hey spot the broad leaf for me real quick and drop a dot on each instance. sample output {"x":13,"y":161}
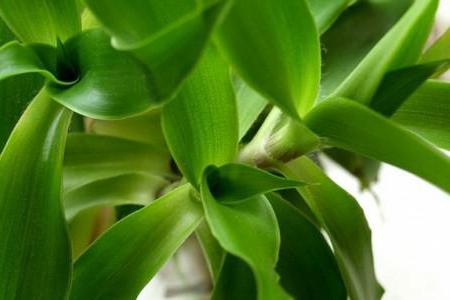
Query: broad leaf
{"x":351,"y":126}
{"x":248,"y":230}
{"x":35,"y":260}
{"x":41,"y":21}
{"x":325,"y":12}
{"x":94,"y":157}
{"x":307,"y":267}
{"x":201,"y":123}
{"x":283,"y":64}
{"x":147,"y":239}
{"x":167,"y":36}
{"x":132,"y":188}
{"x":427,"y":112}
{"x":400,"y":47}
{"x":344,"y":221}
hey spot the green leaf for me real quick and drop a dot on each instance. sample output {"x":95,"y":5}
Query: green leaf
{"x":112,"y":84}
{"x":398,"y":85}
{"x":234,"y":183}
{"x":400,"y":47}
{"x":35,"y":260}
{"x":283,"y":64}
{"x":123,"y":189}
{"x":305,"y":254}
{"x":248,"y":230}
{"x":344,"y":221}
{"x":351,"y":126}
{"x":168,"y":37}
{"x":427,"y":112}
{"x":41,"y":21}
{"x":94,"y":157}
{"x":235,"y":281}
{"x":250,"y":106}
{"x":147,"y":239}
{"x":439,"y":50}
{"x":325,"y":12}
{"x":348,"y":41}
{"x":213,"y":252}
{"x":201,"y":123}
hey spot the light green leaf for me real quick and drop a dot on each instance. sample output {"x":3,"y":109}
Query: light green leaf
{"x":427,"y":112}
{"x":400,"y":47}
{"x":94,"y":157}
{"x":307,"y":267}
{"x":344,"y":221}
{"x":234,"y":183}
{"x":41,"y":21}
{"x":283,"y":64}
{"x":112,"y":84}
{"x":135,"y":188}
{"x":35,"y":260}
{"x":213,"y":252}
{"x":201,"y":123}
{"x":248,"y":230}
{"x":351,"y":126}
{"x":147,"y":239}
{"x":250,"y":106}
{"x":439,"y":50}
{"x":167,"y":36}
{"x":348,"y":41}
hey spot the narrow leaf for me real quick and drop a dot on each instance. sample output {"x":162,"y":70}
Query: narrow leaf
{"x":147,"y":239}
{"x":35,"y":260}
{"x":400,"y":47}
{"x":283,"y":64}
{"x":326,"y":12}
{"x":201,"y":123}
{"x":427,"y":112}
{"x":439,"y":50}
{"x":214,"y":253}
{"x":137,"y":189}
{"x":233,"y":183}
{"x":41,"y":21}
{"x":344,"y":221}
{"x":93,"y":157}
{"x":351,"y":126}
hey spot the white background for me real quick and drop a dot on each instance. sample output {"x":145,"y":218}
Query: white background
{"x":410,"y":229}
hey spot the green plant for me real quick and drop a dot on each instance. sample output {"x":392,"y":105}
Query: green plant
{"x":240,"y":96}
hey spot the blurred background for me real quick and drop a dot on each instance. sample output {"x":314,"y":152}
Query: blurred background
{"x":410,"y":230}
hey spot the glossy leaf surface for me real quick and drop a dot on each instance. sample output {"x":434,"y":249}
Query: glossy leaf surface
{"x":201,"y":123}
{"x":283,"y":64}
{"x":35,"y":260}
{"x":351,"y":126}
{"x":147,"y":239}
{"x":168,"y":37}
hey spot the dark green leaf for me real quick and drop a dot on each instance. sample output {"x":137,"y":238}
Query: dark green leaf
{"x":351,"y":126}
{"x":283,"y":63}
{"x":201,"y":123}
{"x":41,"y":21}
{"x":35,"y":260}
{"x":146,"y":240}
{"x":427,"y":112}
{"x":167,"y":36}
{"x":307,"y":267}
{"x":344,"y":221}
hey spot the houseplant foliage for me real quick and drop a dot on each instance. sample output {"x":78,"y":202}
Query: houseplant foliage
{"x":204,"y":115}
